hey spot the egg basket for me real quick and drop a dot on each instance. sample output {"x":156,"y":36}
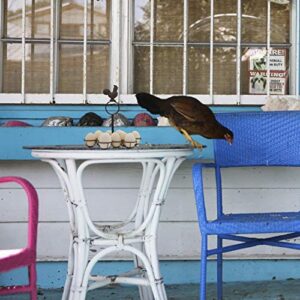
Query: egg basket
{"x":109,"y":145}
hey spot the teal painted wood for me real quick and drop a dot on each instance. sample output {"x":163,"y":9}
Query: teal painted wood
{"x":51,"y":275}
{"x":12,"y":147}
{"x":14,"y":138}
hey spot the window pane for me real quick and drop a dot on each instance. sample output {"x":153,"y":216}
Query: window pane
{"x":97,"y":68}
{"x":72,"y":13}
{"x":99,"y":20}
{"x":225,"y":21}
{"x":254,"y":74}
{"x":168,"y":16}
{"x":142,"y":20}
{"x":198,"y":66}
{"x":199,"y":21}
{"x":37,"y":68}
{"x":224,"y":71}
{"x":12,"y":18}
{"x":141,"y":69}
{"x":168,"y":69}
{"x":280,"y":23}
{"x":12,"y":68}
{"x":168,"y":20}
{"x":70,"y":69}
{"x":254,"y":21}
{"x":38,"y":14}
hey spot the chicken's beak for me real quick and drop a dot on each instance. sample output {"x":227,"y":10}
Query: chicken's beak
{"x":228,"y":138}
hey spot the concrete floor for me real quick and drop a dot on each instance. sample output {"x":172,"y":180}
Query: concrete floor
{"x":275,"y":290}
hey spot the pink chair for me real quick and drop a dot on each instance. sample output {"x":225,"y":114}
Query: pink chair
{"x":25,"y":257}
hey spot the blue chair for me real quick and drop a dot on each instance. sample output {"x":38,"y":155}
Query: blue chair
{"x":260,"y":139}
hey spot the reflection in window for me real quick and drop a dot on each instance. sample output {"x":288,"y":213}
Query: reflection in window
{"x":168,"y":39}
{"x":68,"y":48}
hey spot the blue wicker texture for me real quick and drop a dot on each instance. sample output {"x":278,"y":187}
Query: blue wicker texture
{"x":260,"y":138}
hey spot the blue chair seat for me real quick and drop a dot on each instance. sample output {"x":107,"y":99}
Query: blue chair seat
{"x":262,"y":222}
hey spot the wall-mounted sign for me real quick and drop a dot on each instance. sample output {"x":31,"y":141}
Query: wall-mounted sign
{"x":258,"y":71}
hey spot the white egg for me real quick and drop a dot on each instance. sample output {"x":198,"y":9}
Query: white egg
{"x":104,"y":140}
{"x":115,"y":140}
{"x":97,"y":133}
{"x":137,"y":136}
{"x":129,"y":140}
{"x":122,"y":135}
{"x":90,"y":139}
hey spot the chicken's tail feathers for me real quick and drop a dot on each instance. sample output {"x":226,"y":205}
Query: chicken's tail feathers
{"x":150,"y":102}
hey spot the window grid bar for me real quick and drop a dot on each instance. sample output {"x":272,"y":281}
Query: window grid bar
{"x":61,"y":41}
{"x":23,"y":52}
{"x":211,"y":67}
{"x":1,"y":43}
{"x":115,"y":44}
{"x":297,"y":44}
{"x":84,"y":77}
{"x":238,"y":52}
{"x":126,"y":86}
{"x":52,"y":22}
{"x":56,"y":50}
{"x":207,"y":44}
{"x":151,"y":44}
{"x":268,"y":46}
{"x":185,"y":49}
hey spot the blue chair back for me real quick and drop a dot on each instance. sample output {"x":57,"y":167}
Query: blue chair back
{"x":260,"y":139}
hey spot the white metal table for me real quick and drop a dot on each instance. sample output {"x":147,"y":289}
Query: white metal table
{"x":137,"y":234}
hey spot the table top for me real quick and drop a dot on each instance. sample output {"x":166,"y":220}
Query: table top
{"x":84,"y":152}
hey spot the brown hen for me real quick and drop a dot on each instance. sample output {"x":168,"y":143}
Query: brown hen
{"x":188,"y":115}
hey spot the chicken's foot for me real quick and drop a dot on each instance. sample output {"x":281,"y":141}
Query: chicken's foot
{"x":189,"y":138}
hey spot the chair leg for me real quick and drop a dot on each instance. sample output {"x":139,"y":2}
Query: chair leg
{"x":203,"y":267}
{"x":32,"y":281}
{"x":219,"y":269}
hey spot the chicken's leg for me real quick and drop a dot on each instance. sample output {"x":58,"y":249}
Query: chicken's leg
{"x":189,"y":138}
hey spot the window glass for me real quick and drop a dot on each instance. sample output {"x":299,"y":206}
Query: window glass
{"x":225,"y":21}
{"x":38,"y":14}
{"x":198,"y":70}
{"x":12,"y":18}
{"x":167,"y":75}
{"x":12,"y":65}
{"x":70,"y":69}
{"x":37,"y":68}
{"x":253,"y":30}
{"x":97,"y":68}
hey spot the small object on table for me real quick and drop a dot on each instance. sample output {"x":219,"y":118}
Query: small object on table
{"x":104,"y":140}
{"x":115,"y":140}
{"x":122,"y":135}
{"x":90,"y":139}
{"x":15,"y":123}
{"x":129,"y":140}
{"x":137,"y":136}
{"x":98,"y":133}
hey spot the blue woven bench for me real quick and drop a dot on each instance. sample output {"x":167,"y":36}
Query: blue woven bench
{"x":260,"y":139}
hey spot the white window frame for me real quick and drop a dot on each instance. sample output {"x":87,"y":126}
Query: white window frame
{"x":121,"y":66}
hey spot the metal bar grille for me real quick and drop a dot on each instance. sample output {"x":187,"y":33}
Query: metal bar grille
{"x":1,"y":42}
{"x":185,"y":47}
{"x":84,"y":77}
{"x":268,"y":46}
{"x":211,"y":58}
{"x":23,"y":51}
{"x":52,"y":16}
{"x":238,"y":51}
{"x":151,"y":43}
